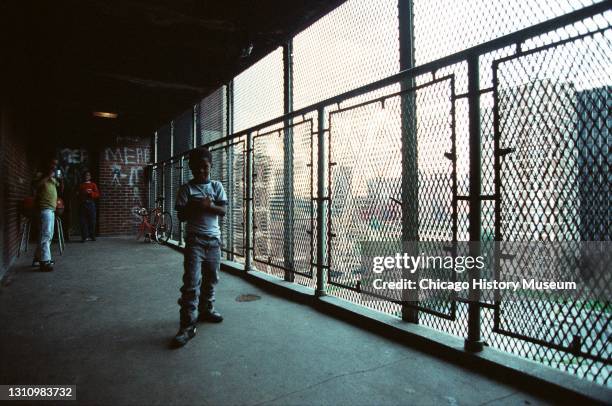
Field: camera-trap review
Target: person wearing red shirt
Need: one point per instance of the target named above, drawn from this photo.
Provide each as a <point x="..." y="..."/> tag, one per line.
<point x="88" y="194"/>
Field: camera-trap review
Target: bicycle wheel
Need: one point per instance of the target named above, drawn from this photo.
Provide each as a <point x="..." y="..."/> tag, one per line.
<point x="163" y="227"/>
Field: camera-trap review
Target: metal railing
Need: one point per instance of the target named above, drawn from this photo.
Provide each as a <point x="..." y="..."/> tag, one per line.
<point x="434" y="153"/>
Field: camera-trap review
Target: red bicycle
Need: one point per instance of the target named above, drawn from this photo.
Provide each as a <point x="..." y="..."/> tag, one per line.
<point x="156" y="224"/>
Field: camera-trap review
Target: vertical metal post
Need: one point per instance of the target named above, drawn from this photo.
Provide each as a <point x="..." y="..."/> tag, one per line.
<point x="248" y="250"/>
<point x="153" y="195"/>
<point x="229" y="91"/>
<point x="171" y="167"/>
<point x="473" y="341"/>
<point x="229" y="218"/>
<point x="182" y="180"/>
<point x="410" y="170"/>
<point x="321" y="205"/>
<point x="231" y="196"/>
<point x="149" y="177"/>
<point x="162" y="185"/>
<point x="155" y="141"/>
<point x="171" y="138"/>
<point x="288" y="192"/>
<point x="194" y="127"/>
<point x="194" y="143"/>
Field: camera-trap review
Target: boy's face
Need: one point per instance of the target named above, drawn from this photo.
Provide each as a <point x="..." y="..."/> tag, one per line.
<point x="200" y="170"/>
<point x="87" y="176"/>
<point x="52" y="165"/>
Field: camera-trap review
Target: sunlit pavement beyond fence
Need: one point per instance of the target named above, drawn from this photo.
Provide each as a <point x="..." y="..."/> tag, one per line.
<point x="103" y="320"/>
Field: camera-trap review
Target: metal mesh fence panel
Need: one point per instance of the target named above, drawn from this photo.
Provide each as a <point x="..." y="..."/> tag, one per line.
<point x="152" y="192"/>
<point x="171" y="199"/>
<point x="211" y="117"/>
<point x="365" y="172"/>
<point x="164" y="143"/>
<point x="359" y="42"/>
<point x="283" y="213"/>
<point x="236" y="194"/>
<point x="218" y="172"/>
<point x="187" y="176"/>
<point x="183" y="132"/>
<point x="553" y="127"/>
<point x="305" y="166"/>
<point x="303" y="181"/>
<point x="258" y="92"/>
<point x="443" y="27"/>
<point x="268" y="206"/>
<point x="228" y="168"/>
<point x="159" y="183"/>
<point x="366" y="142"/>
<point x="168" y="186"/>
<point x="440" y="210"/>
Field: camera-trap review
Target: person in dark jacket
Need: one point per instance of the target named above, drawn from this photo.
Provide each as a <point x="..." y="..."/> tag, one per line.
<point x="88" y="194"/>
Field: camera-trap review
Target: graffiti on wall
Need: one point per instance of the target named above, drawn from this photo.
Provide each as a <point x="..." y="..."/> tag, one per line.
<point x="73" y="162"/>
<point x="127" y="173"/>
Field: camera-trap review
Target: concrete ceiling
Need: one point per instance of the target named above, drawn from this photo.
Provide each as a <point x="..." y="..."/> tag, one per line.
<point x="145" y="60"/>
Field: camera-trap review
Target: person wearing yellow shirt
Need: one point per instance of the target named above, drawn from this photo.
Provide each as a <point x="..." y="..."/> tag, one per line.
<point x="46" y="185"/>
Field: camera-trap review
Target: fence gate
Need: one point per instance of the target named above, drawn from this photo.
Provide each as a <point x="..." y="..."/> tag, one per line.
<point x="552" y="150"/>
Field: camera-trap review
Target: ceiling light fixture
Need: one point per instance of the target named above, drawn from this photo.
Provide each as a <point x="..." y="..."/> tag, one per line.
<point x="104" y="114"/>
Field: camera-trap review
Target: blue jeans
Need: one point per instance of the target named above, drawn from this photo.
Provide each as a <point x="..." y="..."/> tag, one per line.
<point x="47" y="224"/>
<point x="87" y="219"/>
<point x="201" y="263"/>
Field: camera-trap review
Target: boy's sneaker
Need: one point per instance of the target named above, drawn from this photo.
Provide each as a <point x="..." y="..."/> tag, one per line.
<point x="183" y="336"/>
<point x="46" y="266"/>
<point x="210" y="315"/>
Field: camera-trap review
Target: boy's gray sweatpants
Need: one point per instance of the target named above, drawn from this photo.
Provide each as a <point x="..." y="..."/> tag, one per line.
<point x="201" y="273"/>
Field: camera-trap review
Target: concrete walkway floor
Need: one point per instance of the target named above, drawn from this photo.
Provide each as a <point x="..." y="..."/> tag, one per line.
<point x="103" y="319"/>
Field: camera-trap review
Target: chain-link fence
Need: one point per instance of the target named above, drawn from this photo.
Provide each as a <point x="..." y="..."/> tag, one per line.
<point x="258" y="92"/>
<point x="283" y="210"/>
<point x="183" y="132"/>
<point x="507" y="141"/>
<point x="211" y="117"/>
<point x="355" y="44"/>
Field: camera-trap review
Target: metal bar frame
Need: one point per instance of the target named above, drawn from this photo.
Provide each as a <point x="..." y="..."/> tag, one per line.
<point x="322" y="212"/>
<point x="473" y="342"/>
<point x="288" y="269"/>
<point x="181" y="181"/>
<point x="231" y="250"/>
<point x="288" y="188"/>
<point x="409" y="150"/>
<point x="248" y="249"/>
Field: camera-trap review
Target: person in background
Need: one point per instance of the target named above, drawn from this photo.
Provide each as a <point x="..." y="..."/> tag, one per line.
<point x="46" y="185"/>
<point x="88" y="194"/>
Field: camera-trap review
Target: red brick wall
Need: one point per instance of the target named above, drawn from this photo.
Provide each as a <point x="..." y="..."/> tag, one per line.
<point x="16" y="173"/>
<point x="123" y="186"/>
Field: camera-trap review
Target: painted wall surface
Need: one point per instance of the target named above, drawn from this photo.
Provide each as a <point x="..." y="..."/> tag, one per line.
<point x="123" y="185"/>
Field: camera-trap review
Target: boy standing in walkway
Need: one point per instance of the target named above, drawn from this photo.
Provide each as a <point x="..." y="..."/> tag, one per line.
<point x="46" y="185"/>
<point x="200" y="202"/>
